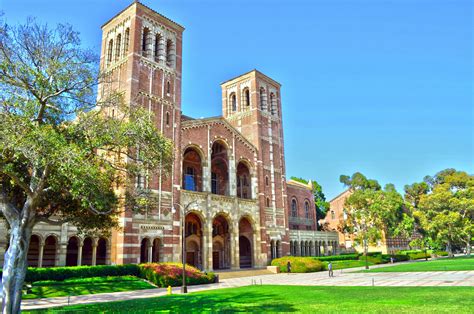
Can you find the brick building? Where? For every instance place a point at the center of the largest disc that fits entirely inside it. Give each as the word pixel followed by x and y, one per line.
pixel 228 172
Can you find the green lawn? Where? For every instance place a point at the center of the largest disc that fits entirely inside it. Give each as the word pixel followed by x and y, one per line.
pixel 444 264
pixel 80 286
pixel 347 264
pixel 310 299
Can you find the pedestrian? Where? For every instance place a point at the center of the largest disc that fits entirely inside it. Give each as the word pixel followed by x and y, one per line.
pixel 288 267
pixel 331 274
pixel 391 260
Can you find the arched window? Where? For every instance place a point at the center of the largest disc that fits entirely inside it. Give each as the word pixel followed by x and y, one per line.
pixel 126 39
pixel 263 99
pixel 167 118
pixel 294 208
pixel 306 210
pixel 109 51
pixel 146 42
pixel 246 98
pixel 157 47
pixel 169 53
pixel 168 87
pixel 267 183
pixel 118 43
pixel 268 202
pixel 233 102
pixel 333 215
pixel 272 104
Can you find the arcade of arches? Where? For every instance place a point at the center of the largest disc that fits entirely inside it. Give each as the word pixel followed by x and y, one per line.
pixel 313 248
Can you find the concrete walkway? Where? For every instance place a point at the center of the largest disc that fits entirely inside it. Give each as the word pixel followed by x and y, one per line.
pixel 345 277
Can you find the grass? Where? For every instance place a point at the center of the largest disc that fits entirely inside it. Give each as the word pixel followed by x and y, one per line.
pixel 308 299
pixel 81 286
pixel 444 264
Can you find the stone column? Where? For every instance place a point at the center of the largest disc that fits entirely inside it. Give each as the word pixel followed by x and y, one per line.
pixel 40 254
pixel 79 254
pixel 62 252
pixel 234 247
pixel 326 248
pixel 161 50
pixel 208 246
pixel 232 176
pixel 94 252
pixel 150 252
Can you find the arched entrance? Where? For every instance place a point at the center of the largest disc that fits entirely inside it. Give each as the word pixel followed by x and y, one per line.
pixel 219 169
pixel 220 243
pixel 72 251
pixel 193 240
pixel 87 252
pixel 33 251
pixel 155 254
pixel 192 170
pixel 101 257
pixel 245 243
pixel 145 244
pixel 49 252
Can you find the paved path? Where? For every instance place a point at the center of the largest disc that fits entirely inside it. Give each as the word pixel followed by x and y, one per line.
pixel 342 278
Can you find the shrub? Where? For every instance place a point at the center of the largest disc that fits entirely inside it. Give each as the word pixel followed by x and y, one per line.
pixel 374 259
pixel 171 274
pixel 418 255
pixel 63 273
pixel 344 257
pixel 298 264
pixel 440 253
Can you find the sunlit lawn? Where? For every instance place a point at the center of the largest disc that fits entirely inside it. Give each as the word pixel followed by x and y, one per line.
pixel 309 299
pixel 49 289
pixel 443 264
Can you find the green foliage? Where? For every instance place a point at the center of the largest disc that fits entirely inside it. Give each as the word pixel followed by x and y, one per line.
pixel 319 198
pixel 418 255
pixel 344 257
pixel 345 264
pixel 66 273
pixel 171 274
pixel 298 264
pixel 441 264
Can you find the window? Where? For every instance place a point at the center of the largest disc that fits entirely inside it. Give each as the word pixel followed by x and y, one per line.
pixel 233 102
pixel 145 41
pixel 167 118
pixel 263 99
pixel 189 179
pixel 168 88
pixel 267 181
pixel 118 43
pixel 268 202
pixel 272 104
pixel 109 51
pixel 294 208
pixel 157 47
pixel 169 53
pixel 306 209
pixel 246 98
pixel 126 39
pixel 333 215
pixel 214 183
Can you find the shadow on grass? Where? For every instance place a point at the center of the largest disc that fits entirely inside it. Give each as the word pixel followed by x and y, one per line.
pixel 250 302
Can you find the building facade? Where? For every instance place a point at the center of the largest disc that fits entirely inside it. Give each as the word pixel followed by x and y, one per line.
pixel 228 179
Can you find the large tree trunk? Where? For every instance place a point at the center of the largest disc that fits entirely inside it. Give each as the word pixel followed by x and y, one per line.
pixel 449 248
pixel 16 259
pixel 468 248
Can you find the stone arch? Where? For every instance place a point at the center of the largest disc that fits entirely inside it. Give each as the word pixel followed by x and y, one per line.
pixel 170 52
pixel 33 254
pixel 194 238
pixel 118 44
pixel 307 209
pixel 233 102
pixel 156 250
pixel 101 253
pixel 110 50
pixel 192 165
pixel 244 181
pixel 245 98
pixel 72 251
pixel 263 99
pixel 145 244
pixel 246 249
pixel 221 241
pixel 294 207
pixel 87 249
pixel 50 250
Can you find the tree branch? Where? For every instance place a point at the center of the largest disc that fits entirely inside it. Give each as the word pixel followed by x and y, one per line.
pixel 19 182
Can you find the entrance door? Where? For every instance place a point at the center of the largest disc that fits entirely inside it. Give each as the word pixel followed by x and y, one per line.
pixel 215 260
pixel 245 252
pixel 190 260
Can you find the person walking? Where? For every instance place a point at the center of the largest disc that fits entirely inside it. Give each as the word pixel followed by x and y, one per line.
pixel 331 274
pixel 288 267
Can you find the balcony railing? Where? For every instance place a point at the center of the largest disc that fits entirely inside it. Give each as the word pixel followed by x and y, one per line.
pixel 301 221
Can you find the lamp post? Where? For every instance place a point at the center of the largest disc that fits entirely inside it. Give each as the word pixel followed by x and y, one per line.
pixel 184 288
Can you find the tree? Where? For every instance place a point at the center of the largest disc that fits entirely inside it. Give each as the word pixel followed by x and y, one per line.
pixel 61 156
pixel 319 198
pixel 446 212
pixel 371 210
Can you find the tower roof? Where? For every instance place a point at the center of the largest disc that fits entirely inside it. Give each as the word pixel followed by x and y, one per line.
pixel 255 72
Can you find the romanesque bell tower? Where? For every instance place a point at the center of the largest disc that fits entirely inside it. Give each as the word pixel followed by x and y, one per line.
pixel 252 104
pixel 141 57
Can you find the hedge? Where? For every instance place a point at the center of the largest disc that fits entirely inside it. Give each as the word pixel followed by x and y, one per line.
pixel 440 253
pixel 332 258
pixel 171 274
pixel 418 255
pixel 298 264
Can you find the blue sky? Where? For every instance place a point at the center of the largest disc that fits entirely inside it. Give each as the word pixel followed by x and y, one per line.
pixel 380 87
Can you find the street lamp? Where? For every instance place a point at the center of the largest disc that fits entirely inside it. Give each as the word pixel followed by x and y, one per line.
pixel 184 288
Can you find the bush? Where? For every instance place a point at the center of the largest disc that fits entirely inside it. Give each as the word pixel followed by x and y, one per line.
pixel 418 255
pixel 63 273
pixel 171 274
pixel 345 257
pixel 440 253
pixel 298 264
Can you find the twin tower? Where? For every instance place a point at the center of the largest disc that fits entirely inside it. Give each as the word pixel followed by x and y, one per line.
pixel 142 57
